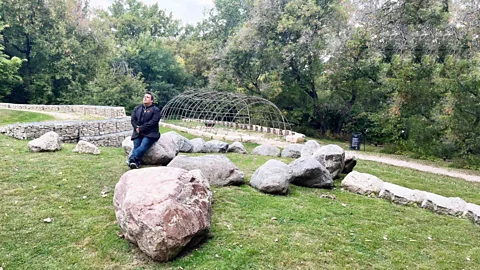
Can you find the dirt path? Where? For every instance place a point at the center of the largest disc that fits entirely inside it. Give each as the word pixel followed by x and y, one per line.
pixel 416 166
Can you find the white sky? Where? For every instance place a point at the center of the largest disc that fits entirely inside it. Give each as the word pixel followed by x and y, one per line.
pixel 189 11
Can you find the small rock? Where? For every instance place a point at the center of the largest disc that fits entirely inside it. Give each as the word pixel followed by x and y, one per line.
pixel 84 197
pixel 273 218
pixel 48 220
pixel 328 196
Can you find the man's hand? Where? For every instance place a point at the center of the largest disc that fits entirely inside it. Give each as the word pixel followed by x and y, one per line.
pixel 137 130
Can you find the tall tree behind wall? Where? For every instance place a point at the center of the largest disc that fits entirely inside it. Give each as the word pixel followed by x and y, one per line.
pixel 60 51
pixel 140 33
pixel 8 71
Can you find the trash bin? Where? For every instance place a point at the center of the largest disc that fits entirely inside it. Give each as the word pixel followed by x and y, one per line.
pixel 356 141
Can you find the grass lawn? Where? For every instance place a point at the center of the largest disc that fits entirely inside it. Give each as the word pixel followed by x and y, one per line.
pixel 13 116
pixel 309 232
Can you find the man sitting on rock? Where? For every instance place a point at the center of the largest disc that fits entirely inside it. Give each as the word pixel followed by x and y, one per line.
pixel 145 120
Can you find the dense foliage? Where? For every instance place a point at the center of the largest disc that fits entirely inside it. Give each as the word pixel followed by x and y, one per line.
pixel 404 72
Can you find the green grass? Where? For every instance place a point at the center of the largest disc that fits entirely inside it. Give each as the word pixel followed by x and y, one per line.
pixel 12 117
pixel 310 232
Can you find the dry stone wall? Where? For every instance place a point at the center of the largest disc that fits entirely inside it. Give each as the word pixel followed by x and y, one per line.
pixel 109 132
pixel 104 111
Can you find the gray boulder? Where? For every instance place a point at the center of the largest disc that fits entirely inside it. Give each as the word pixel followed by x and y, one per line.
pixel 161 152
pixel 272 177
pixel 473 213
pixel 401 195
pixel 332 157
pixel 86 147
pixel 163 210
pixel 127 145
pixel 216 146
pixel 198 145
pixel 308 172
pixel 218 169
pixel 48 142
pixel 362 183
pixel 266 150
pixel 350 162
pixel 182 143
pixel 310 147
pixel 237 147
pixel 444 205
pixel 292 150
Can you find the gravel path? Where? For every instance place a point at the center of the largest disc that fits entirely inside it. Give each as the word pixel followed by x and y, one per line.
pixel 416 166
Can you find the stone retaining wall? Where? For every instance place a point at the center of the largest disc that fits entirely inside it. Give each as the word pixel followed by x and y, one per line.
pixel 110 140
pixel 275 131
pixel 222 137
pixel 104 111
pixel 72 131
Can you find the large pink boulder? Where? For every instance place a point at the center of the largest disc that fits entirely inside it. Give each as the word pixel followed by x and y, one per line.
pixel 163 209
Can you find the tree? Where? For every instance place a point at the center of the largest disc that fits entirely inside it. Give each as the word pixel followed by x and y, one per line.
pixel 8 71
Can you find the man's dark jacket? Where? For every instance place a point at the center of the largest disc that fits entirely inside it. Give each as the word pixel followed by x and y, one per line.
pixel 146 119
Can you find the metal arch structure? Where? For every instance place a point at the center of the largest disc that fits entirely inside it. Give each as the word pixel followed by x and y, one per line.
pixel 200 109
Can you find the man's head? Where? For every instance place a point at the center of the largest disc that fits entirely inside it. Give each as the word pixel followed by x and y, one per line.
pixel 148 99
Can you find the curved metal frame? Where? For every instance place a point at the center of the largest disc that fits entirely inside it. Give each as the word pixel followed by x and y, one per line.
pixel 202 106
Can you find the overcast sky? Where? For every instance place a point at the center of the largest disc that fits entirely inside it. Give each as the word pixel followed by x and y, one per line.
pixel 189 11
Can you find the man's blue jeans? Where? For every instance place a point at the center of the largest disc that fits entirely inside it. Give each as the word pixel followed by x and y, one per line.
pixel 140 147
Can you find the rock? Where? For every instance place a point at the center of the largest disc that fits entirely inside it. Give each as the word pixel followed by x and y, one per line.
pixel 309 148
pixel 86 147
pixel 237 147
pixel 272 177
pixel 472 212
pixel 198 145
pixel 444 205
pixel 401 195
pixel 218 169
pixel 163 210
pixel 215 146
pixel 161 152
pixel 127 145
pixel 332 157
pixel 48 142
pixel 362 183
pixel 308 172
pixel 292 150
pixel 296 138
pixel 266 150
pixel 182 143
pixel 350 162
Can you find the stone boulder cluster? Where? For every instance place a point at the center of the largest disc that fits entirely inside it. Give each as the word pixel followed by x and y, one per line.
pixel 315 166
pixel 162 230
pixel 367 184
pixel 51 142
pixel 166 209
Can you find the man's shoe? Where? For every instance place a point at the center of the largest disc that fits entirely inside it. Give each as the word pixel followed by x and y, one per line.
pixel 133 165
pixel 128 162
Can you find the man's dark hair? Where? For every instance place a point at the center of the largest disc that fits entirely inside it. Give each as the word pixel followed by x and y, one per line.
pixel 151 94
